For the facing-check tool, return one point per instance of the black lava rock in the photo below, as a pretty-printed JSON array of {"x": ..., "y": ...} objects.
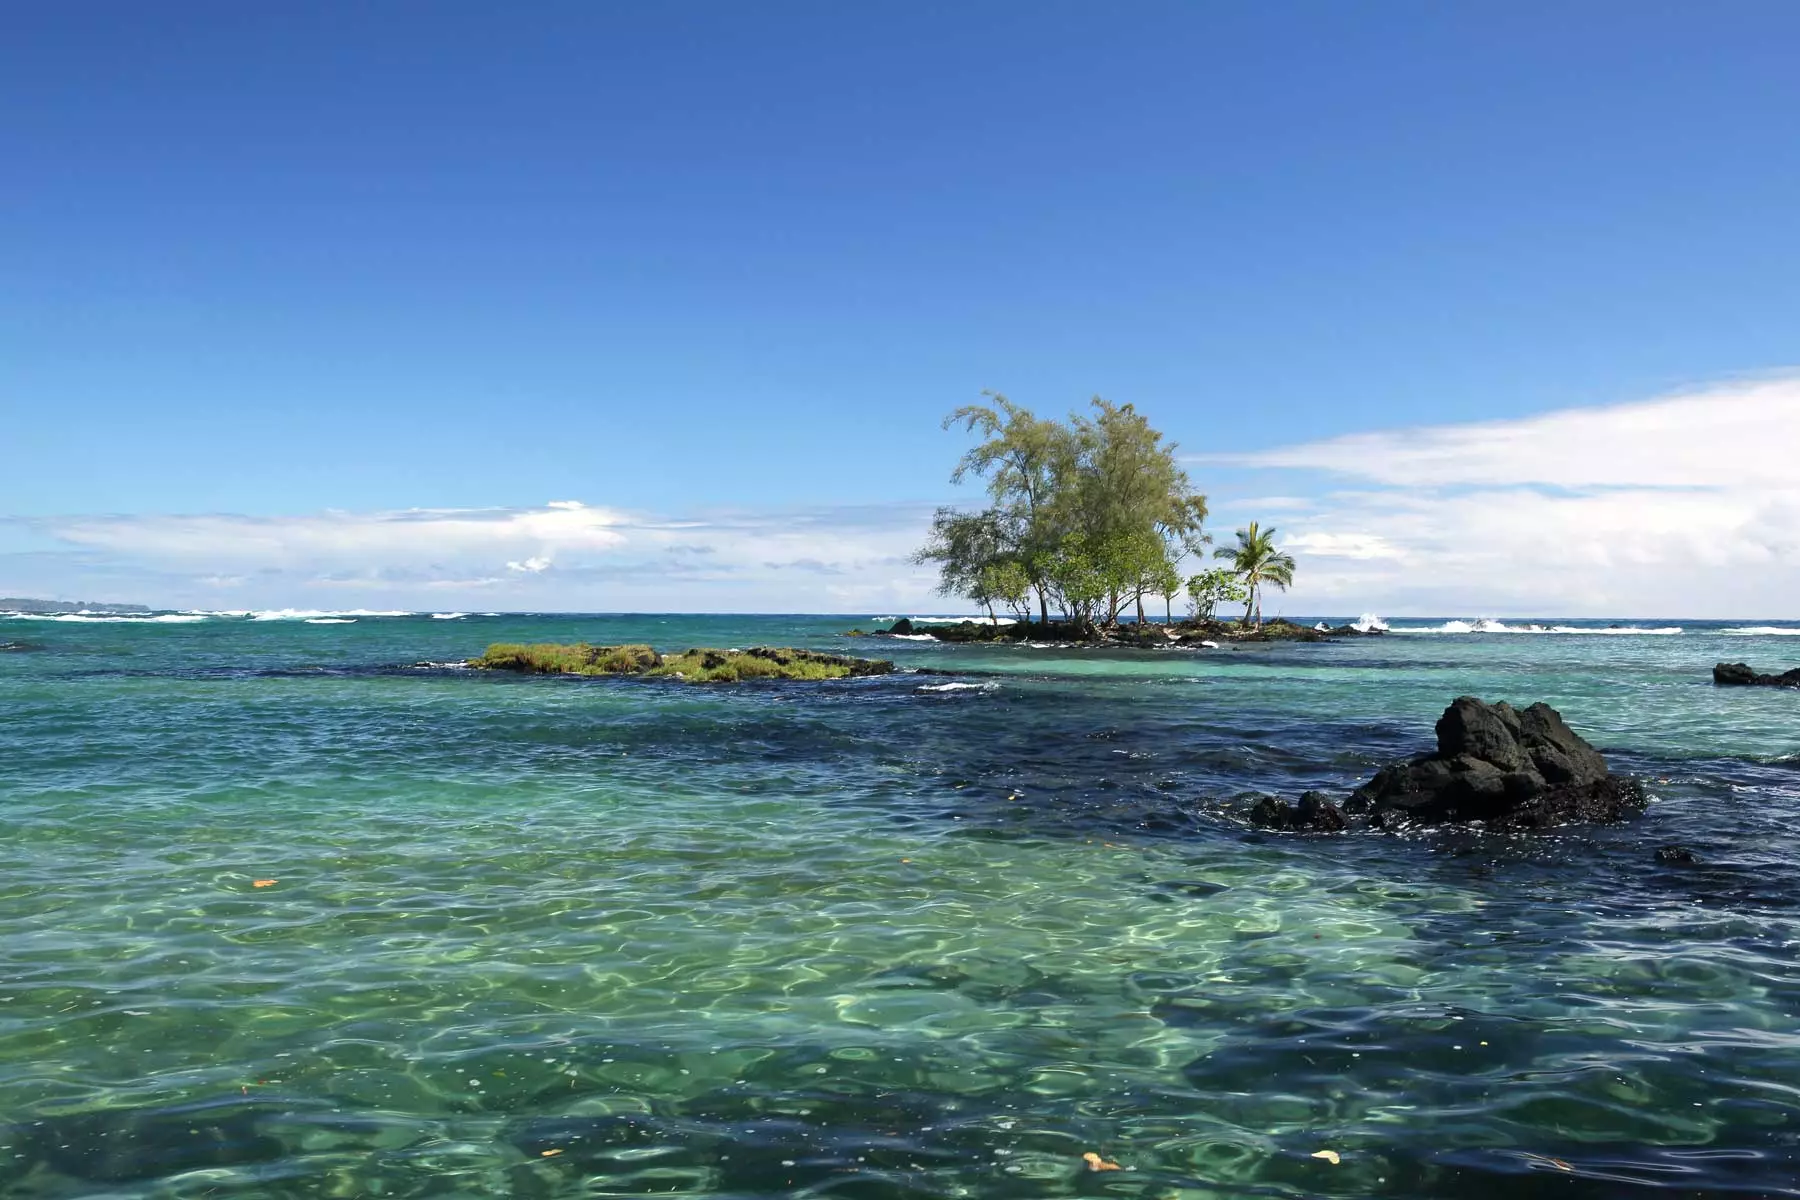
[
  {"x": 1675, "y": 855},
  {"x": 1316, "y": 813},
  {"x": 1509, "y": 768},
  {"x": 1743, "y": 675}
]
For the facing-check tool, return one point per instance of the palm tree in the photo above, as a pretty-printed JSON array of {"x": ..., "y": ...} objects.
[{"x": 1256, "y": 559}]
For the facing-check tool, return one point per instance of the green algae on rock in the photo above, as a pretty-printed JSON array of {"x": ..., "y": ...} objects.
[{"x": 693, "y": 666}]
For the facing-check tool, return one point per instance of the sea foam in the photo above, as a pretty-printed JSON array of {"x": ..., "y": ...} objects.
[
  {"x": 314, "y": 614},
  {"x": 1489, "y": 625}
]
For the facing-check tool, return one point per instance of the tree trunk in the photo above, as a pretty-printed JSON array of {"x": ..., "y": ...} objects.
[
  {"x": 1140, "y": 603},
  {"x": 1043, "y": 608},
  {"x": 1250, "y": 604}
]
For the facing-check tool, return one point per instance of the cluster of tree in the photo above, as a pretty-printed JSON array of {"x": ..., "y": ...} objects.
[{"x": 1088, "y": 517}]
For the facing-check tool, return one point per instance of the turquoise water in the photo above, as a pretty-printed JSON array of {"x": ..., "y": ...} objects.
[{"x": 912, "y": 936}]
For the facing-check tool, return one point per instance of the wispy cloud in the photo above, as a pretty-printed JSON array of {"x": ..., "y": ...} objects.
[
  {"x": 563, "y": 554},
  {"x": 1685, "y": 505}
]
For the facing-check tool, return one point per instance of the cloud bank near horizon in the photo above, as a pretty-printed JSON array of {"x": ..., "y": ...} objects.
[
  {"x": 1688, "y": 505},
  {"x": 564, "y": 555}
]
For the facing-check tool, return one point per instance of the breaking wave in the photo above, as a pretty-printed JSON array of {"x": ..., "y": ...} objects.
[
  {"x": 1489, "y": 625},
  {"x": 317, "y": 614}
]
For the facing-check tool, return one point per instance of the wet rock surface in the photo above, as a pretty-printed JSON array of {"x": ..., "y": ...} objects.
[
  {"x": 1315, "y": 813},
  {"x": 1509, "y": 768},
  {"x": 1506, "y": 768},
  {"x": 1744, "y": 675}
]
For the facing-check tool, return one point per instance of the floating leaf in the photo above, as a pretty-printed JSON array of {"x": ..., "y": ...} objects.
[
  {"x": 1330, "y": 1156},
  {"x": 549, "y": 1153},
  {"x": 264, "y": 882},
  {"x": 1096, "y": 1163}
]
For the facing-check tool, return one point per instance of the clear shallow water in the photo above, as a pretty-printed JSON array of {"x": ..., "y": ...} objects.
[{"x": 884, "y": 938}]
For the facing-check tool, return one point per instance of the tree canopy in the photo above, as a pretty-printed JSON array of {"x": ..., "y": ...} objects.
[{"x": 1086, "y": 516}]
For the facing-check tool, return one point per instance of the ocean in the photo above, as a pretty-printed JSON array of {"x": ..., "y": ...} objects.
[{"x": 285, "y": 913}]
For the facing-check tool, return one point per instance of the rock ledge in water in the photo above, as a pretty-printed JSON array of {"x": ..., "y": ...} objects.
[
  {"x": 691, "y": 666},
  {"x": 1744, "y": 675},
  {"x": 1508, "y": 768}
]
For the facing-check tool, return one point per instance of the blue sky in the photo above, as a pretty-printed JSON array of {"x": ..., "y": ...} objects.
[{"x": 275, "y": 277}]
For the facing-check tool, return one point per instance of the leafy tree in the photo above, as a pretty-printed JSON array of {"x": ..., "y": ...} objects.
[
  {"x": 1211, "y": 588},
  {"x": 1257, "y": 562},
  {"x": 1133, "y": 500},
  {"x": 1165, "y": 581},
  {"x": 1024, "y": 460},
  {"x": 968, "y": 547},
  {"x": 1078, "y": 580},
  {"x": 1005, "y": 582}
]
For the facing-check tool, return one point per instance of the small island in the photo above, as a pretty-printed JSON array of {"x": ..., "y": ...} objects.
[{"x": 690, "y": 666}]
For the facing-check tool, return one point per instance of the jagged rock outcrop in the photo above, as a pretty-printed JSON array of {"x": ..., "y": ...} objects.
[
  {"x": 1744, "y": 675},
  {"x": 1508, "y": 768}
]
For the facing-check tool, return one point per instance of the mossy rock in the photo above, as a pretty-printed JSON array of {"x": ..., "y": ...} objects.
[{"x": 698, "y": 665}]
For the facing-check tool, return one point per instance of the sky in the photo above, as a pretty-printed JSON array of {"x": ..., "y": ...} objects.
[{"x": 1491, "y": 309}]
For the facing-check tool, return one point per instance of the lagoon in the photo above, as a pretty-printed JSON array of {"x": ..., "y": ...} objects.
[{"x": 905, "y": 936}]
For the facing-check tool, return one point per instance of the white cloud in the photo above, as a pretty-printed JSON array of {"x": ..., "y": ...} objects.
[
  {"x": 565, "y": 554},
  {"x": 1342, "y": 545},
  {"x": 1737, "y": 435},
  {"x": 1683, "y": 506}
]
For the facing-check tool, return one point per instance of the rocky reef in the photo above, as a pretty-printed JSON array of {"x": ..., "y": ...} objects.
[
  {"x": 691, "y": 666},
  {"x": 1744, "y": 675},
  {"x": 1506, "y": 768}
]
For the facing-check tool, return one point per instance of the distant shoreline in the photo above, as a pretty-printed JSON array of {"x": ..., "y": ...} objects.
[{"x": 25, "y": 604}]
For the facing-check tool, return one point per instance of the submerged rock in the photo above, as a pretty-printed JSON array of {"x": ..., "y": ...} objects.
[
  {"x": 1675, "y": 855},
  {"x": 126, "y": 1145},
  {"x": 1744, "y": 675},
  {"x": 1502, "y": 766}
]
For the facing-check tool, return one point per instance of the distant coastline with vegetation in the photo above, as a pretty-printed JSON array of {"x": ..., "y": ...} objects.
[{"x": 26, "y": 604}]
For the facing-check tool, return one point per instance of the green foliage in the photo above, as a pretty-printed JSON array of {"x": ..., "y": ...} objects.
[
  {"x": 548, "y": 658},
  {"x": 1091, "y": 515},
  {"x": 1004, "y": 582},
  {"x": 694, "y": 666},
  {"x": 1165, "y": 581},
  {"x": 1211, "y": 588},
  {"x": 1257, "y": 562}
]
